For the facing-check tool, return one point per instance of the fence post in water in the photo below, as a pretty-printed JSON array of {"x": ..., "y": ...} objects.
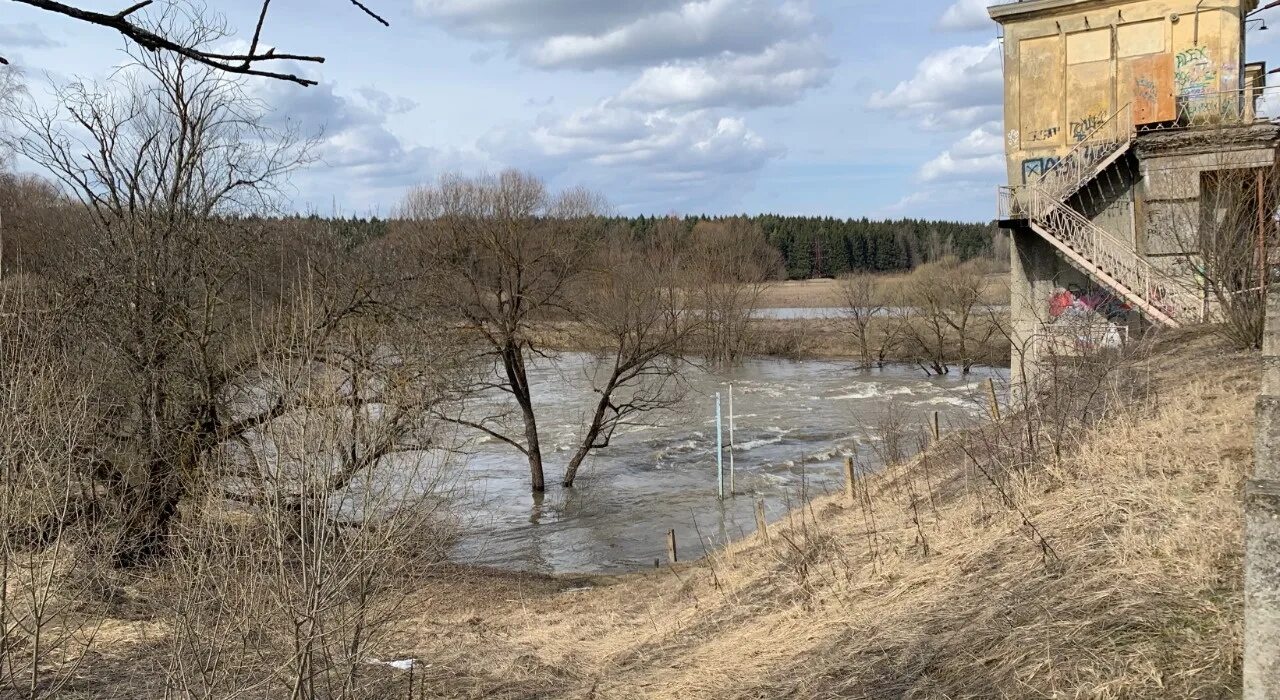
[
  {"x": 850, "y": 485},
  {"x": 671, "y": 547},
  {"x": 762, "y": 525},
  {"x": 991, "y": 396},
  {"x": 732, "y": 489},
  {"x": 933, "y": 425},
  {"x": 719, "y": 448}
]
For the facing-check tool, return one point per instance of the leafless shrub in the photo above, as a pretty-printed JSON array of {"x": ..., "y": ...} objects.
[
  {"x": 46, "y": 424},
  {"x": 1223, "y": 243},
  {"x": 730, "y": 266},
  {"x": 946, "y": 328},
  {"x": 863, "y": 304}
]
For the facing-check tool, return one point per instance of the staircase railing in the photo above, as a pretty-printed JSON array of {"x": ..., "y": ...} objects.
[
  {"x": 1153, "y": 290},
  {"x": 1093, "y": 147}
]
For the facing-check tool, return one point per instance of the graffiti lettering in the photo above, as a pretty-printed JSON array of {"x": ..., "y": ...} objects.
[
  {"x": 1145, "y": 89},
  {"x": 1194, "y": 72},
  {"x": 1037, "y": 167},
  {"x": 1080, "y": 130},
  {"x": 1042, "y": 134}
]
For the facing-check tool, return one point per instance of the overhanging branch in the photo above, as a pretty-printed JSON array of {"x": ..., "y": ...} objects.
[{"x": 244, "y": 64}]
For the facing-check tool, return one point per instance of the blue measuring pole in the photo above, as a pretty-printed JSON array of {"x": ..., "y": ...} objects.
[{"x": 719, "y": 447}]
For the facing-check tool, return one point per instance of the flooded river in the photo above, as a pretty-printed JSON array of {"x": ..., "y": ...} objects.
[{"x": 794, "y": 422}]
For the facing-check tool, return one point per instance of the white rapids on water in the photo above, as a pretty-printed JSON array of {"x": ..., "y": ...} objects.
[{"x": 795, "y": 422}]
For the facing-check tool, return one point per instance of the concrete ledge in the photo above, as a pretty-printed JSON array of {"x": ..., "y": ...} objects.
[{"x": 1262, "y": 590}]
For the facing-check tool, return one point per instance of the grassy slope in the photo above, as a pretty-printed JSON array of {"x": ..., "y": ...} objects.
[{"x": 1141, "y": 597}]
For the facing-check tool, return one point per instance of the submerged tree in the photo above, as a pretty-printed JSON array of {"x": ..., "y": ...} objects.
[{"x": 514, "y": 264}]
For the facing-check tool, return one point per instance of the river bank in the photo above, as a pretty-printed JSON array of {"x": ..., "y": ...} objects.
[
  {"x": 1111, "y": 571},
  {"x": 1100, "y": 560}
]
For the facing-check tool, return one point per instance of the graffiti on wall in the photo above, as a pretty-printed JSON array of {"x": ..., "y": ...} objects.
[
  {"x": 1194, "y": 72},
  {"x": 1045, "y": 134},
  {"x": 1145, "y": 89},
  {"x": 1015, "y": 138},
  {"x": 1080, "y": 130},
  {"x": 1035, "y": 168},
  {"x": 1073, "y": 302}
]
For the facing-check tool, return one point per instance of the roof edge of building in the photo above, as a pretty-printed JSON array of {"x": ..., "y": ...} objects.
[{"x": 1027, "y": 9}]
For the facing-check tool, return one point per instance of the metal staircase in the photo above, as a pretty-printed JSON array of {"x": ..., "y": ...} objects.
[{"x": 1093, "y": 250}]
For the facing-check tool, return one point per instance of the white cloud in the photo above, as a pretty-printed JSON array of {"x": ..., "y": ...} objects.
[
  {"x": 594, "y": 34},
  {"x": 698, "y": 29},
  {"x": 979, "y": 156},
  {"x": 358, "y": 154},
  {"x": 952, "y": 88},
  {"x": 25, "y": 35},
  {"x": 686, "y": 157},
  {"x": 693, "y": 53},
  {"x": 967, "y": 15},
  {"x": 781, "y": 74},
  {"x": 524, "y": 19}
]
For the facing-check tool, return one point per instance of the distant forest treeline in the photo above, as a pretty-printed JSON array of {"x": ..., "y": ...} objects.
[
  {"x": 813, "y": 246},
  {"x": 828, "y": 247}
]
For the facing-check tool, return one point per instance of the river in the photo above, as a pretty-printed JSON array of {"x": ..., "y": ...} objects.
[{"x": 794, "y": 420}]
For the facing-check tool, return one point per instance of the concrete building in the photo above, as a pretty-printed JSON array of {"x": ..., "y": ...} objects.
[
  {"x": 1135, "y": 132},
  {"x": 1128, "y": 123}
]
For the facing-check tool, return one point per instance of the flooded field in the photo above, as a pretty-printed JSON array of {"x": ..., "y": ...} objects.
[{"x": 795, "y": 421}]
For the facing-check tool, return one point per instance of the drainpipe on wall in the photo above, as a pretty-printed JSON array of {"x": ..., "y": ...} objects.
[
  {"x": 1195, "y": 31},
  {"x": 1262, "y": 527}
]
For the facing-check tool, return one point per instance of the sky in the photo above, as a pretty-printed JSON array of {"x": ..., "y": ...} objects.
[{"x": 844, "y": 108}]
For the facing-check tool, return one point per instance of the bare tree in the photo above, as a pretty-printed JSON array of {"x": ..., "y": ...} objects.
[
  {"x": 142, "y": 31},
  {"x": 637, "y": 322},
  {"x": 863, "y": 304},
  {"x": 346, "y": 497},
  {"x": 501, "y": 255},
  {"x": 173, "y": 275},
  {"x": 947, "y": 325},
  {"x": 1224, "y": 241},
  {"x": 732, "y": 265}
]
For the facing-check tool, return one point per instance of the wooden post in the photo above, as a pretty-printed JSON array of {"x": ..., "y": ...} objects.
[
  {"x": 762, "y": 525},
  {"x": 995, "y": 402},
  {"x": 671, "y": 546},
  {"x": 935, "y": 427},
  {"x": 850, "y": 485}
]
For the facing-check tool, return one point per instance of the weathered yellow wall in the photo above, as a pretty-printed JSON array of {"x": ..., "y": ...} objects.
[{"x": 1068, "y": 69}]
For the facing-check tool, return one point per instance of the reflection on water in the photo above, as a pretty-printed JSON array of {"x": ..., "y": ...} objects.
[{"x": 794, "y": 423}]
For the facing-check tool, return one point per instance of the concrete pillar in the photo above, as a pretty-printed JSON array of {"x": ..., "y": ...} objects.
[
  {"x": 1033, "y": 269},
  {"x": 1262, "y": 528}
]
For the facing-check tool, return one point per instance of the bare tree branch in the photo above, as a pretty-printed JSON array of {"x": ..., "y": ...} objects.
[{"x": 243, "y": 64}]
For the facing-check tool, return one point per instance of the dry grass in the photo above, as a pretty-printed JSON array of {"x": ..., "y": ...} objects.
[
  {"x": 827, "y": 293},
  {"x": 1141, "y": 600},
  {"x": 1137, "y": 594}
]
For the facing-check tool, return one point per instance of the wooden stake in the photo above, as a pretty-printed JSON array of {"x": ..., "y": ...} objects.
[
  {"x": 934, "y": 426},
  {"x": 995, "y": 403},
  {"x": 671, "y": 546},
  {"x": 850, "y": 485},
  {"x": 762, "y": 525}
]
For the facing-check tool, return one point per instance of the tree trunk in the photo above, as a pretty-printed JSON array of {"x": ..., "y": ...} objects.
[
  {"x": 593, "y": 431},
  {"x": 513, "y": 363},
  {"x": 152, "y": 507}
]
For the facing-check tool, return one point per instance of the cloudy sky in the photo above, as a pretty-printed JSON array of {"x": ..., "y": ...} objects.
[{"x": 827, "y": 107}]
